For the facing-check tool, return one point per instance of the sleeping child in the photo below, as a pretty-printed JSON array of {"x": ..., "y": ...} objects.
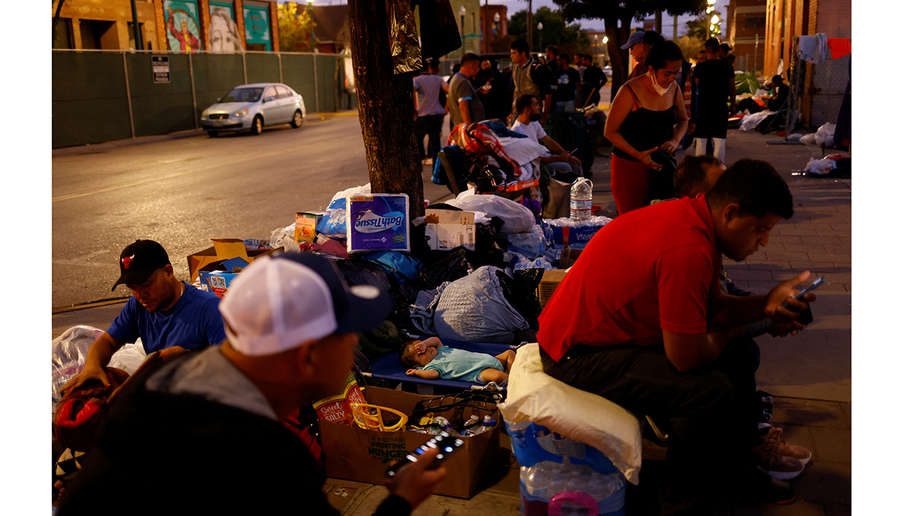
[{"x": 430, "y": 359}]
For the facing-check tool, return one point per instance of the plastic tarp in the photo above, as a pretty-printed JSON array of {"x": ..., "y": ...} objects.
[{"x": 746, "y": 83}]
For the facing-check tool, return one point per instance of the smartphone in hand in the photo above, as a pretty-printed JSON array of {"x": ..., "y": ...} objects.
[
  {"x": 446, "y": 444},
  {"x": 807, "y": 290}
]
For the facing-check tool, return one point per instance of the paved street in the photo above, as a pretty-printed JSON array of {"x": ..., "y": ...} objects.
[{"x": 184, "y": 189}]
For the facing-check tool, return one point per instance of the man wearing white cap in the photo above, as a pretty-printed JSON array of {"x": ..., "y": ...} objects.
[{"x": 201, "y": 433}]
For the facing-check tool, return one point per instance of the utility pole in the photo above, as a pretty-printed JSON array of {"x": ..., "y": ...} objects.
[{"x": 529, "y": 24}]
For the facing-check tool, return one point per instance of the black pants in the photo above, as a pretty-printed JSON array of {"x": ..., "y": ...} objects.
[
  {"x": 429, "y": 126},
  {"x": 706, "y": 412}
]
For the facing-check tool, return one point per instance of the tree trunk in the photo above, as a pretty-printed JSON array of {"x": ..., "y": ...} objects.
[
  {"x": 385, "y": 106},
  {"x": 618, "y": 58}
]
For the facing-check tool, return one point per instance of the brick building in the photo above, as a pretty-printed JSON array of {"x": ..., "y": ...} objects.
[
  {"x": 745, "y": 33},
  {"x": 822, "y": 85}
]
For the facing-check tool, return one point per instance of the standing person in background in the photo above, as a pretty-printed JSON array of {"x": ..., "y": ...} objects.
[
  {"x": 429, "y": 111},
  {"x": 593, "y": 81},
  {"x": 579, "y": 63},
  {"x": 551, "y": 54},
  {"x": 715, "y": 101},
  {"x": 646, "y": 124},
  {"x": 463, "y": 101},
  {"x": 569, "y": 91},
  {"x": 640, "y": 43},
  {"x": 530, "y": 78}
]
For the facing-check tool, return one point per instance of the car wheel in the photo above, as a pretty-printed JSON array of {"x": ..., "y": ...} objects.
[
  {"x": 257, "y": 124},
  {"x": 212, "y": 134},
  {"x": 297, "y": 119}
]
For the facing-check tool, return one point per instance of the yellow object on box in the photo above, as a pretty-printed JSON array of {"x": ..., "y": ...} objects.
[
  {"x": 370, "y": 417},
  {"x": 305, "y": 228}
]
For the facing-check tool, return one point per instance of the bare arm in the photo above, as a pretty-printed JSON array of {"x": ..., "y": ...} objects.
[
  {"x": 618, "y": 112},
  {"x": 421, "y": 373},
  {"x": 681, "y": 124},
  {"x": 97, "y": 358},
  {"x": 464, "y": 109},
  {"x": 726, "y": 310}
]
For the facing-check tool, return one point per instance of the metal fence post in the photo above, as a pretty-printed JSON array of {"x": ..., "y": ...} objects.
[
  {"x": 194, "y": 99},
  {"x": 280, "y": 68},
  {"x": 245, "y": 73},
  {"x": 315, "y": 77},
  {"x": 127, "y": 87}
]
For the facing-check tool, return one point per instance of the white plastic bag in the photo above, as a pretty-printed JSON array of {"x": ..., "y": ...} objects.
[
  {"x": 820, "y": 166},
  {"x": 334, "y": 222},
  {"x": 750, "y": 122},
  {"x": 825, "y": 135},
  {"x": 534, "y": 396},
  {"x": 517, "y": 218},
  {"x": 68, "y": 355},
  {"x": 283, "y": 237}
]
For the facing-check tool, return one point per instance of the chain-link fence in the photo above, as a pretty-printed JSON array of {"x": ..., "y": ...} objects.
[
  {"x": 99, "y": 96},
  {"x": 825, "y": 90}
]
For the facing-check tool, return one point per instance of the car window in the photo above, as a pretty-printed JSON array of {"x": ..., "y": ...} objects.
[
  {"x": 283, "y": 92},
  {"x": 242, "y": 95},
  {"x": 271, "y": 92}
]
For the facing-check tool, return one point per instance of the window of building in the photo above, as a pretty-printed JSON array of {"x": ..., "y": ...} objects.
[
  {"x": 755, "y": 21},
  {"x": 130, "y": 26},
  {"x": 99, "y": 34}
]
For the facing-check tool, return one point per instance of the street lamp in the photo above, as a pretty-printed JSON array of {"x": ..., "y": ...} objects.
[
  {"x": 462, "y": 17},
  {"x": 540, "y": 26},
  {"x": 312, "y": 26}
]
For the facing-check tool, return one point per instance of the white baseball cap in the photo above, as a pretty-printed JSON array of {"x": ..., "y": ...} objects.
[{"x": 279, "y": 302}]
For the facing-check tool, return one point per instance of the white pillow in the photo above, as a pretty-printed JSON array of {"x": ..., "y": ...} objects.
[{"x": 534, "y": 396}]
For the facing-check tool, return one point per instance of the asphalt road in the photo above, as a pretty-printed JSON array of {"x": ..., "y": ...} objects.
[{"x": 184, "y": 190}]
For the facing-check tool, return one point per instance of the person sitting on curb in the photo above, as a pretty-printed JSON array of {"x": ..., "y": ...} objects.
[
  {"x": 168, "y": 315},
  {"x": 202, "y": 432},
  {"x": 563, "y": 166},
  {"x": 430, "y": 359},
  {"x": 647, "y": 338}
]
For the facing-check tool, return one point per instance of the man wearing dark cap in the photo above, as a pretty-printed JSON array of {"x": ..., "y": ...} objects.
[
  {"x": 168, "y": 315},
  {"x": 202, "y": 433},
  {"x": 640, "y": 43}
]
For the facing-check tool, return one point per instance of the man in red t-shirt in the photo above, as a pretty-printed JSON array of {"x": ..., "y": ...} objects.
[{"x": 636, "y": 319}]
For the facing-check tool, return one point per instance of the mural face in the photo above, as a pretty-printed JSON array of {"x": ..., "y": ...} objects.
[
  {"x": 182, "y": 26},
  {"x": 224, "y": 36}
]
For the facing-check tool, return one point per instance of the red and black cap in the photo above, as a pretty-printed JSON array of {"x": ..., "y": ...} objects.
[{"x": 139, "y": 260}]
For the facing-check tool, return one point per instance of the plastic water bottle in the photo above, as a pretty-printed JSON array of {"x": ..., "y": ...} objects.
[{"x": 581, "y": 199}]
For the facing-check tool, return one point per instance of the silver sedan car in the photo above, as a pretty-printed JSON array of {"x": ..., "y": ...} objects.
[{"x": 252, "y": 107}]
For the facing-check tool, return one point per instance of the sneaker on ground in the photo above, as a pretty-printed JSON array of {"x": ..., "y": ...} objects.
[
  {"x": 776, "y": 491},
  {"x": 771, "y": 461},
  {"x": 788, "y": 450}
]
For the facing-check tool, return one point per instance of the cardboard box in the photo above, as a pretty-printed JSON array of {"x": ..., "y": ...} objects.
[
  {"x": 305, "y": 227},
  {"x": 362, "y": 455},
  {"x": 223, "y": 249},
  {"x": 448, "y": 229},
  {"x": 550, "y": 281},
  {"x": 377, "y": 222}
]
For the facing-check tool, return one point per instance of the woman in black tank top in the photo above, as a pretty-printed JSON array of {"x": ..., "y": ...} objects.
[{"x": 646, "y": 123}]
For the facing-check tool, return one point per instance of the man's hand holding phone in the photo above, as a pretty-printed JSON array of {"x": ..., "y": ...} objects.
[
  {"x": 414, "y": 481},
  {"x": 785, "y": 304}
]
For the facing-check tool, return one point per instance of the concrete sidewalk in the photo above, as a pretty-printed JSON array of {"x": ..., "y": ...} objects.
[{"x": 809, "y": 374}]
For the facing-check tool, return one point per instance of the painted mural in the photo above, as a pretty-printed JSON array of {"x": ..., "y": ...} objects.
[
  {"x": 182, "y": 27},
  {"x": 224, "y": 33},
  {"x": 257, "y": 28}
]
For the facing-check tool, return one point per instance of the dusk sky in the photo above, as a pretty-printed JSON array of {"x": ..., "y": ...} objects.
[{"x": 591, "y": 25}]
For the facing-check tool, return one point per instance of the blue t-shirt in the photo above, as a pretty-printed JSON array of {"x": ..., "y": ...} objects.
[
  {"x": 193, "y": 322},
  {"x": 459, "y": 364}
]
